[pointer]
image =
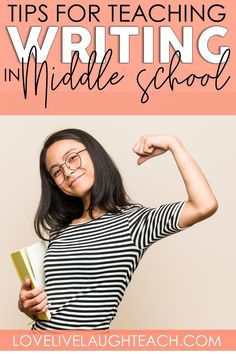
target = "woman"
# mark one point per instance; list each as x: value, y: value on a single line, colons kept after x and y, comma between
x: 97, y: 236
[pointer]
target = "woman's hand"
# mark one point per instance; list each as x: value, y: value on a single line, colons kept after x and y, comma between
x: 149, y: 146
x: 32, y: 301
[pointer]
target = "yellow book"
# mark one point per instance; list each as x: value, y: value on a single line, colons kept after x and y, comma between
x: 28, y: 262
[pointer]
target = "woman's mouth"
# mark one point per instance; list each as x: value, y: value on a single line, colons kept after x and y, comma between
x: 75, y: 179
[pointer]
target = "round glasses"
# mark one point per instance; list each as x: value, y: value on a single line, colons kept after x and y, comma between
x: 73, y: 162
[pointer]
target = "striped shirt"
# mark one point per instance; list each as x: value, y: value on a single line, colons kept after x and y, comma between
x: 88, y: 266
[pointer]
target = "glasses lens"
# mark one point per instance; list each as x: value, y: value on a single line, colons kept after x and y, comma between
x: 58, y: 175
x: 73, y: 161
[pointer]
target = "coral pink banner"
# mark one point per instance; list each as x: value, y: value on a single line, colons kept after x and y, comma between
x: 118, y: 57
x: 210, y: 340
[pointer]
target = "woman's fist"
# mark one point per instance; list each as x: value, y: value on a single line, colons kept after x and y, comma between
x: 149, y: 146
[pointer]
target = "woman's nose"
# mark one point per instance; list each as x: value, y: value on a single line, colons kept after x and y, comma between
x: 67, y: 171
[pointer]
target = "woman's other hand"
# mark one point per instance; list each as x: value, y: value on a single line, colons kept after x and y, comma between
x: 32, y: 301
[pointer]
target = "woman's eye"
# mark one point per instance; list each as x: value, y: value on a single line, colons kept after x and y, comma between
x: 73, y: 158
x: 56, y: 173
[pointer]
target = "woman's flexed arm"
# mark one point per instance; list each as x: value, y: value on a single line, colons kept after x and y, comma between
x: 201, y: 202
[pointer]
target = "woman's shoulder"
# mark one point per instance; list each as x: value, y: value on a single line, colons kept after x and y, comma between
x: 132, y: 208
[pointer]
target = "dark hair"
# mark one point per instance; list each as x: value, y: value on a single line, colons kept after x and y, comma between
x: 56, y: 209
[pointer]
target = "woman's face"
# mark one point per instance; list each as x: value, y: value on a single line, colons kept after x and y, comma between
x: 73, y: 181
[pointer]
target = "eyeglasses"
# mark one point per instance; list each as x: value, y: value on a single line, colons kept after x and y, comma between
x: 73, y: 162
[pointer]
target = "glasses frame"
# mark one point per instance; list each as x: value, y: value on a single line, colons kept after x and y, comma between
x: 53, y: 181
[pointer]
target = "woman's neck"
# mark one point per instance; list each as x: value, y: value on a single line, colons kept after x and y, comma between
x: 86, y: 217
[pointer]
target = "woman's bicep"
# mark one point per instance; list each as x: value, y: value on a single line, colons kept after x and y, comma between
x: 190, y: 214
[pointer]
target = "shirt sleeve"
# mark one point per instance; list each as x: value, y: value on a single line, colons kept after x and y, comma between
x: 148, y: 225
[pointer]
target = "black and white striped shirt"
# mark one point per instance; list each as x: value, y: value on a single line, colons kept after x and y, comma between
x: 89, y: 265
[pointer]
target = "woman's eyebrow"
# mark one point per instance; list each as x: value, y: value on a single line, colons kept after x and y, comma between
x: 67, y: 152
